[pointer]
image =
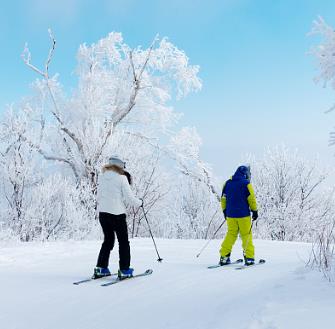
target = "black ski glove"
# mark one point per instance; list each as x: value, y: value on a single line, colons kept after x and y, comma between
x: 225, y: 214
x: 254, y: 215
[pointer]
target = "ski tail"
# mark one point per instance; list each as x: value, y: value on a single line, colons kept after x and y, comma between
x: 117, y: 280
x: 238, y: 261
x: 92, y: 279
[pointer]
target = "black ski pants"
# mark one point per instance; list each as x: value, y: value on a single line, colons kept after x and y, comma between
x: 112, y: 224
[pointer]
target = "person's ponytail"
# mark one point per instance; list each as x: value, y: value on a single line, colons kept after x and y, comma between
x: 129, y: 178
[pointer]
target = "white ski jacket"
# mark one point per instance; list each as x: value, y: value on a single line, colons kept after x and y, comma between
x: 114, y: 193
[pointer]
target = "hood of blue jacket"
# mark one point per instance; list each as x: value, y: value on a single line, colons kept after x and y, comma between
x: 242, y: 172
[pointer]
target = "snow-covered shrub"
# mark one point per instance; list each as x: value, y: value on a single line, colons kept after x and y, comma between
x: 194, y: 212
x: 57, y: 211
x: 323, y: 254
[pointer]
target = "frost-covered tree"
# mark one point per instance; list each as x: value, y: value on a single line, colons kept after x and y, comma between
x: 196, y: 207
x: 119, y: 90
x: 325, y: 55
x: 36, y: 203
x: 195, y: 210
x: 290, y: 190
x: 184, y: 148
x: 324, y: 52
x: 19, y: 172
x: 121, y: 105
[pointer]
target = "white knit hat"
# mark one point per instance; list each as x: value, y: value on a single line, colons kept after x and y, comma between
x: 115, y: 160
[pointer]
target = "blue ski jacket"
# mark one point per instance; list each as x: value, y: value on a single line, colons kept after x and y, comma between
x: 238, y: 196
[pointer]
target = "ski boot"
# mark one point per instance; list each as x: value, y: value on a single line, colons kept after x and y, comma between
x: 249, y: 261
x: 224, y: 260
x: 100, y: 272
x: 123, y: 274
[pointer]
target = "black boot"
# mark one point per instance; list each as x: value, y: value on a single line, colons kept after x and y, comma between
x: 249, y: 261
x: 224, y: 260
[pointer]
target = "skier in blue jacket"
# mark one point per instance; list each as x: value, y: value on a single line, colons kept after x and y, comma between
x: 237, y: 201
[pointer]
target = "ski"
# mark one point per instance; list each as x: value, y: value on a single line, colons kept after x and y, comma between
x: 243, y: 267
x: 117, y: 280
x: 92, y: 279
x: 238, y: 261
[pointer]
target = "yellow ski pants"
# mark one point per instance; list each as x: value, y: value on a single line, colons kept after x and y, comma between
x: 236, y: 226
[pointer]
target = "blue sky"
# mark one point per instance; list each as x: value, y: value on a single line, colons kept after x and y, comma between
x: 258, y: 87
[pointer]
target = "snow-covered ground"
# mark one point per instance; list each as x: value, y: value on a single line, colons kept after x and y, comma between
x: 36, y: 290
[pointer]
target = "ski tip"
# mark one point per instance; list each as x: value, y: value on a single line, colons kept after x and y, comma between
x: 77, y: 283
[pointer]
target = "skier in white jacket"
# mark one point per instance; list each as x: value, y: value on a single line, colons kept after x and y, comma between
x: 113, y: 194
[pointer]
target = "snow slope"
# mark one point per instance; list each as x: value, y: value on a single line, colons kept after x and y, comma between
x: 36, y: 289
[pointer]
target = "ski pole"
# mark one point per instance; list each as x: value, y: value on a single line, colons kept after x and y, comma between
x: 145, y: 216
x: 207, y: 243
